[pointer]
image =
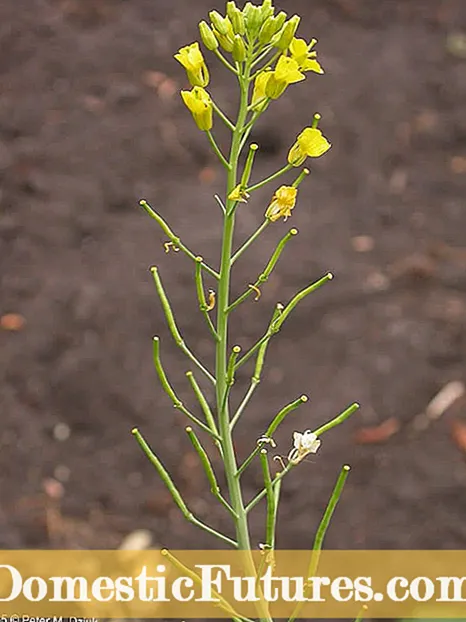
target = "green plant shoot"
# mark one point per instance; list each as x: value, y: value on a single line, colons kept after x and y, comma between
x: 266, y: 59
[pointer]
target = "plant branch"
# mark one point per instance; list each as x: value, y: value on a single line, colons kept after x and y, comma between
x: 224, y: 604
x: 173, y: 327
x: 209, y: 471
x: 275, y: 482
x: 223, y: 60
x: 203, y: 403
x: 283, y: 170
x: 223, y: 116
x: 203, y: 306
x: 257, y: 373
x: 277, y: 420
x: 178, y: 404
x: 217, y: 151
x: 178, y: 499
x: 262, y: 278
x: 249, y: 241
x: 300, y: 296
x: 175, y: 240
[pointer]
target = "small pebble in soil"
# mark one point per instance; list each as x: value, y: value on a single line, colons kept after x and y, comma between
x: 61, y: 432
x: 362, y: 243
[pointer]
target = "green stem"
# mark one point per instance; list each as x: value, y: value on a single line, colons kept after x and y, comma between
x: 221, y: 355
x: 248, y: 127
x: 217, y: 151
x: 174, y: 239
x: 263, y: 342
x: 209, y: 471
x: 275, y: 482
x: 283, y: 170
x: 244, y: 403
x: 277, y: 420
x: 223, y: 116
x: 202, y: 402
x: 227, y: 64
x: 202, y: 299
x: 178, y: 499
x: 270, y: 493
x: 298, y: 297
x: 256, y: 377
x: 242, y: 529
x: 222, y: 603
x: 260, y: 55
x: 249, y: 241
x: 268, y: 63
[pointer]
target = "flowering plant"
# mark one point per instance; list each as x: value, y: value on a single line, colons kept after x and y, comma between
x: 262, y: 52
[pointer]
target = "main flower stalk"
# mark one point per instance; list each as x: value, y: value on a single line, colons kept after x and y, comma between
x: 223, y: 300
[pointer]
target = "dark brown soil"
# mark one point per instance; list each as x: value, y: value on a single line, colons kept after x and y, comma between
x: 90, y: 121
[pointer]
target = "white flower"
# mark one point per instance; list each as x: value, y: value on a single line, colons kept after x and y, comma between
x: 304, y: 443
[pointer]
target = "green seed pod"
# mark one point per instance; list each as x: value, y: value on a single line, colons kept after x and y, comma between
x: 239, y: 49
x: 207, y: 36
x: 285, y: 36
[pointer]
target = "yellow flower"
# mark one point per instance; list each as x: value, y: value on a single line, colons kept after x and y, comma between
x: 283, y: 201
x: 199, y: 104
x: 301, y: 52
x: 311, y: 143
x: 193, y: 61
x: 259, y: 98
x: 239, y: 194
x: 286, y: 72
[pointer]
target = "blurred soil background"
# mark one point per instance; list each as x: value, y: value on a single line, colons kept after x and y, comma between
x: 90, y: 122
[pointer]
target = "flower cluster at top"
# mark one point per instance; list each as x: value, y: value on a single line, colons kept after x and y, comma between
x: 260, y: 47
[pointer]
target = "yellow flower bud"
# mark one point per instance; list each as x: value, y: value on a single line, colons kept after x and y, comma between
x: 267, y: 31
x: 199, y: 104
x: 207, y: 36
x: 193, y: 61
x: 225, y: 41
x: 223, y: 30
x: 311, y: 143
x: 253, y: 19
x: 236, y: 18
x: 219, y: 22
x: 283, y: 201
x: 239, y: 49
x: 285, y: 36
x: 267, y: 10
